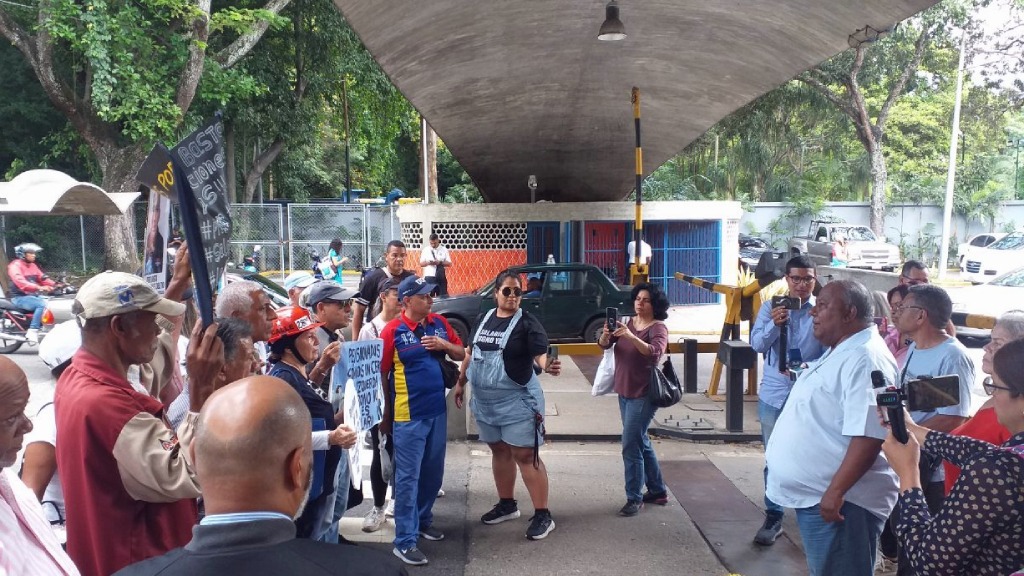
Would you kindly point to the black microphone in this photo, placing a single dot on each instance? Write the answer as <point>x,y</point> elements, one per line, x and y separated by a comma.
<point>892,401</point>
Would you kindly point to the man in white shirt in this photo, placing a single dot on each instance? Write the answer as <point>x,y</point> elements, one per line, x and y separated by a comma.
<point>645,252</point>
<point>27,544</point>
<point>435,262</point>
<point>824,453</point>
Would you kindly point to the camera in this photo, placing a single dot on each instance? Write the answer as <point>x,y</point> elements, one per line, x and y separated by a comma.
<point>787,302</point>
<point>921,395</point>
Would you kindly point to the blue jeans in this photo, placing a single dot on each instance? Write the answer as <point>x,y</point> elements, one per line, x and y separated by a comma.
<point>34,303</point>
<point>637,454</point>
<point>342,480</point>
<point>844,548</point>
<point>768,414</point>
<point>419,471</point>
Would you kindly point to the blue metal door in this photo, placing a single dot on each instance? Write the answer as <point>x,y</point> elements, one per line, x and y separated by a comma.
<point>692,247</point>
<point>541,240</point>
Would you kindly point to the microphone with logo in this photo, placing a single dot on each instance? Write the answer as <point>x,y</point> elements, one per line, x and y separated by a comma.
<point>891,399</point>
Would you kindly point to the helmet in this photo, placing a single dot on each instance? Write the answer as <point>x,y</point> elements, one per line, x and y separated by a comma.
<point>60,344</point>
<point>291,321</point>
<point>21,249</point>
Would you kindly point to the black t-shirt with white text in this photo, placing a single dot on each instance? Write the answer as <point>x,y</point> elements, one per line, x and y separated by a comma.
<point>371,286</point>
<point>528,340</point>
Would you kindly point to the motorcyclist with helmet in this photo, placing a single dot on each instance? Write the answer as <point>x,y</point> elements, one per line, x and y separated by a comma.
<point>27,283</point>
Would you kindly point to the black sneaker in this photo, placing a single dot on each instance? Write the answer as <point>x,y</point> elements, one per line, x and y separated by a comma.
<point>501,512</point>
<point>660,498</point>
<point>411,556</point>
<point>540,526</point>
<point>431,533</point>
<point>632,508</point>
<point>771,530</point>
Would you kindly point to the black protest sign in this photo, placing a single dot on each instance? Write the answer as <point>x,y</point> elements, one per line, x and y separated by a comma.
<point>199,170</point>
<point>157,172</point>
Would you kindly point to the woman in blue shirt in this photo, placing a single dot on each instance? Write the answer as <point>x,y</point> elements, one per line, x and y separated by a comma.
<point>335,259</point>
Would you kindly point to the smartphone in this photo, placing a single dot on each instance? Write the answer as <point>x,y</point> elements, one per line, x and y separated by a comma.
<point>552,353</point>
<point>611,318</point>
<point>927,394</point>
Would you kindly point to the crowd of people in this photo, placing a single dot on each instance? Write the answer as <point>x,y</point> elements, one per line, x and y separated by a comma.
<point>948,501</point>
<point>234,458</point>
<point>240,444</point>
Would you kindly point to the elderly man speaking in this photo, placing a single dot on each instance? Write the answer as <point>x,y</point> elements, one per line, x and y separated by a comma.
<point>824,454</point>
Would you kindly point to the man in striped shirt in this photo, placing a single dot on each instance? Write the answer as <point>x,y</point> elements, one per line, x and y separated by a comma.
<point>27,544</point>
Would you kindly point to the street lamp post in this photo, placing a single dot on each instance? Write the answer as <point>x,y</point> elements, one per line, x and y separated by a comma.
<point>1016,143</point>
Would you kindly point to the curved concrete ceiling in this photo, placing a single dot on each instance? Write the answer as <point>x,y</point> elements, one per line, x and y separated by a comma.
<point>520,87</point>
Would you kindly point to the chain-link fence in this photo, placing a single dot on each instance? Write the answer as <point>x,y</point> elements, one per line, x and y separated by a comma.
<point>258,233</point>
<point>72,245</point>
<point>286,236</point>
<point>364,231</point>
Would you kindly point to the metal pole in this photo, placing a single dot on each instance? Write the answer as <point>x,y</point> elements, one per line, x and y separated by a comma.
<point>947,209</point>
<point>1016,169</point>
<point>81,228</point>
<point>638,272</point>
<point>348,171</point>
<point>426,168</point>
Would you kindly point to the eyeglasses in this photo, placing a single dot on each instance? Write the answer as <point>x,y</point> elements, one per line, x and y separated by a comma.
<point>991,387</point>
<point>901,308</point>
<point>913,281</point>
<point>509,291</point>
<point>801,279</point>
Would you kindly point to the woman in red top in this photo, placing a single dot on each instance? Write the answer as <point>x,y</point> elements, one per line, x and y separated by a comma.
<point>639,344</point>
<point>984,426</point>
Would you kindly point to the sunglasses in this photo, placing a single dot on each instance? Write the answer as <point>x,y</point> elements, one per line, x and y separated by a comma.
<point>509,291</point>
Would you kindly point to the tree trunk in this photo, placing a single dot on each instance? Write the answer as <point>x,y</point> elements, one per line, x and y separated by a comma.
<point>260,165</point>
<point>879,176</point>
<point>121,251</point>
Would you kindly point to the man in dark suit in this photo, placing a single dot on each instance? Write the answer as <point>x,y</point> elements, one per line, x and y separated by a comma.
<point>253,456</point>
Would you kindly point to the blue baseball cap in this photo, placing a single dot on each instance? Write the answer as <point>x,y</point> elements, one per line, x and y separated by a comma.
<point>413,285</point>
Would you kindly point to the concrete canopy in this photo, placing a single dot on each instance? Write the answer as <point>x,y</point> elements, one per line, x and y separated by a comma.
<point>524,87</point>
<point>54,193</point>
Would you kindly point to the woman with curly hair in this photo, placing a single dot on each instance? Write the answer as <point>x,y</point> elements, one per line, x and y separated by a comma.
<point>639,344</point>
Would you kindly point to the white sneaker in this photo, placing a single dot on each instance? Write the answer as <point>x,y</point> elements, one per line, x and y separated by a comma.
<point>374,520</point>
<point>389,510</point>
<point>32,335</point>
<point>440,493</point>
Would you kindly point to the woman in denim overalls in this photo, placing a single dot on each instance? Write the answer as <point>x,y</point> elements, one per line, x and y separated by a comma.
<point>508,401</point>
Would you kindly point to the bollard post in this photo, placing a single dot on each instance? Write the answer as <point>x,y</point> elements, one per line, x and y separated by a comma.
<point>736,356</point>
<point>690,365</point>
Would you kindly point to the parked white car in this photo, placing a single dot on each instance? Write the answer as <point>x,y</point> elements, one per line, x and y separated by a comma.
<point>999,257</point>
<point>1002,294</point>
<point>966,249</point>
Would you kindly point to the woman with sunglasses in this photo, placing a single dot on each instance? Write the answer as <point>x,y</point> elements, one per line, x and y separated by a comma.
<point>502,362</point>
<point>980,527</point>
<point>639,344</point>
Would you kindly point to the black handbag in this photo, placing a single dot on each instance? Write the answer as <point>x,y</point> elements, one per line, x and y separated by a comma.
<point>449,371</point>
<point>663,388</point>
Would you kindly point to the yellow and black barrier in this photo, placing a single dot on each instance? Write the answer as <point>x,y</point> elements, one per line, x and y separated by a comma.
<point>978,321</point>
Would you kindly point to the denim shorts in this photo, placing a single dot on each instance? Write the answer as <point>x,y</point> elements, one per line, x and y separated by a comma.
<point>520,434</point>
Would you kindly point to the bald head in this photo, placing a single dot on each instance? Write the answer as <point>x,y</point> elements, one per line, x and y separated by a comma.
<point>13,400</point>
<point>253,447</point>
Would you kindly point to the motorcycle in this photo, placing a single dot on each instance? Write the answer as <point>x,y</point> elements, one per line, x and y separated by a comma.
<point>14,321</point>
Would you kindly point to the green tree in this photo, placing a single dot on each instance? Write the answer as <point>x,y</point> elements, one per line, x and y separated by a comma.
<point>126,73</point>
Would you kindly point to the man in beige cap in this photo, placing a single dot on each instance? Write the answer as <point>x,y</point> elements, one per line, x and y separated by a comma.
<point>126,478</point>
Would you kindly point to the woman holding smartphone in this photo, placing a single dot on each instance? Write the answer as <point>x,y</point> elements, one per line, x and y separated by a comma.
<point>639,344</point>
<point>502,362</point>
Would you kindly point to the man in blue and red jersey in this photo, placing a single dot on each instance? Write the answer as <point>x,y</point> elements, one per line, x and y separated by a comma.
<point>416,413</point>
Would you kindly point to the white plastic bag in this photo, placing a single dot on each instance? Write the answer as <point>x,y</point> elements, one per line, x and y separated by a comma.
<point>604,380</point>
